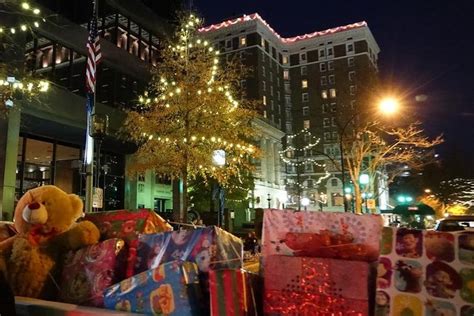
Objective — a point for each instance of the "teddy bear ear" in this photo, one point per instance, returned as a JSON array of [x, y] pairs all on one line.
[[77, 204]]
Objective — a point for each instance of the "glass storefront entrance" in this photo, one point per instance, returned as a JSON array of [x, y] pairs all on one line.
[[42, 162]]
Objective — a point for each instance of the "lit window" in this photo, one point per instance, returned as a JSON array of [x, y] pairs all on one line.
[[332, 79], [332, 93], [304, 83], [322, 67], [305, 97], [306, 124], [262, 42], [304, 70], [265, 114], [243, 41], [326, 122], [264, 101], [352, 75], [324, 94], [305, 110], [350, 61], [330, 65], [324, 80], [352, 90], [325, 108], [286, 74], [285, 59]]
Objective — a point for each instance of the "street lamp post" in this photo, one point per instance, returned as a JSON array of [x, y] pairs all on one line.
[[218, 159], [387, 106], [269, 200]]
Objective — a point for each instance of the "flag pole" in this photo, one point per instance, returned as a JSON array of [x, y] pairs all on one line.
[[89, 148]]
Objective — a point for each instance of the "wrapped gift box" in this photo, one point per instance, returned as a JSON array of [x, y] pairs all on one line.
[[235, 292], [321, 234], [171, 289], [128, 225], [209, 247], [88, 271], [316, 286]]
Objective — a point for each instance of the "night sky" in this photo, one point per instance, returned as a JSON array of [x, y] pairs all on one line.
[[427, 47]]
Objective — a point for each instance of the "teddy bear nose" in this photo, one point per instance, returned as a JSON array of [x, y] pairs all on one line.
[[34, 206]]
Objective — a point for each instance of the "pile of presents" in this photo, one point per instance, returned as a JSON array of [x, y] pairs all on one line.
[[312, 263]]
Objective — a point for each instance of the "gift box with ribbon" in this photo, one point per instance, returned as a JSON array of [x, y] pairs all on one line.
[[235, 292], [321, 234], [316, 286], [88, 271], [171, 289]]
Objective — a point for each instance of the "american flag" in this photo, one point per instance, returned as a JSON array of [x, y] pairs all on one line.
[[94, 55]]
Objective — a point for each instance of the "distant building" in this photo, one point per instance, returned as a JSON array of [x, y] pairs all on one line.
[[307, 81]]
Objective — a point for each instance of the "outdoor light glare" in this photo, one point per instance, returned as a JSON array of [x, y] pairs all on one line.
[[305, 201], [388, 106], [401, 199], [218, 157], [364, 178], [347, 190], [409, 199]]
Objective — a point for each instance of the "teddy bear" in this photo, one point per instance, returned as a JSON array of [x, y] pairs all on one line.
[[45, 219]]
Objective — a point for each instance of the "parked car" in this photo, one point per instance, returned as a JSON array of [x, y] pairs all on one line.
[[455, 223]]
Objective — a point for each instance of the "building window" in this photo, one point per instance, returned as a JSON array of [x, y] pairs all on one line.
[[228, 44], [304, 83], [350, 61], [350, 48], [243, 41], [335, 136], [303, 57], [264, 99], [271, 105], [288, 127], [278, 95], [306, 124], [262, 42], [352, 75], [325, 108], [332, 79], [271, 90], [352, 90], [324, 80], [305, 97], [332, 93], [278, 81], [353, 104], [287, 87], [304, 70], [243, 84], [322, 67], [324, 94], [242, 55], [330, 65], [333, 107], [308, 167], [288, 100], [321, 53], [326, 122], [305, 110], [264, 85], [285, 59], [334, 182], [286, 74], [309, 183], [263, 71], [265, 113], [327, 136], [333, 122], [271, 75], [330, 51]]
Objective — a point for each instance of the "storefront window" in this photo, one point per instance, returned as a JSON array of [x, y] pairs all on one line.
[[67, 167], [37, 164]]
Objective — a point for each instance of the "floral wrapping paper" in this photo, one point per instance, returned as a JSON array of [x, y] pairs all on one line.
[[321, 234], [88, 271], [209, 247], [171, 289], [234, 293], [316, 286], [128, 225], [425, 273]]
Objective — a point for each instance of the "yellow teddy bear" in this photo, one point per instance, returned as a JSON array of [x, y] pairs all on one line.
[[45, 218]]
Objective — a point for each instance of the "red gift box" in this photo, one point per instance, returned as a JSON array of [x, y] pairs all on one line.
[[316, 286]]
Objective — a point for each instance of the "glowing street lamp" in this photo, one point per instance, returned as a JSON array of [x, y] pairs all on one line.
[[389, 106]]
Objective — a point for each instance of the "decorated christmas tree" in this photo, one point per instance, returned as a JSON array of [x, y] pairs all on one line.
[[189, 123]]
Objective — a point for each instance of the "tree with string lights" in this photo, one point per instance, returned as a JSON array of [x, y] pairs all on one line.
[[299, 159], [188, 113]]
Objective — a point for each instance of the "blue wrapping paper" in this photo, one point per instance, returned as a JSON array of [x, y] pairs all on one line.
[[171, 289], [209, 247]]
